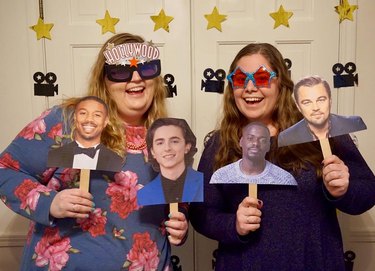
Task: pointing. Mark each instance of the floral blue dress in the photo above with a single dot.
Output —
(117, 235)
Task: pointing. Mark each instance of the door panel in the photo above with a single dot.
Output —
(311, 43)
(80, 38)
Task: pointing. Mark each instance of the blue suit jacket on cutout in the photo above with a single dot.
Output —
(152, 193)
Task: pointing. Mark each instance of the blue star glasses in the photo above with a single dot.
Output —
(261, 77)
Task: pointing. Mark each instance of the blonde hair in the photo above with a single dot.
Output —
(284, 115)
(113, 136)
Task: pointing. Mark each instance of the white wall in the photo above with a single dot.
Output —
(359, 231)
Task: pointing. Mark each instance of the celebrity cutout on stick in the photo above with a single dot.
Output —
(86, 152)
(312, 96)
(253, 168)
(171, 145)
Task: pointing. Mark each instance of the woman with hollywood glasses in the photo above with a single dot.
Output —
(285, 227)
(103, 229)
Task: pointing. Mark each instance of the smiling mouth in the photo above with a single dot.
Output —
(253, 100)
(168, 156)
(88, 127)
(135, 90)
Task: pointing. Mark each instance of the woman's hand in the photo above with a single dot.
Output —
(248, 215)
(335, 176)
(74, 203)
(177, 227)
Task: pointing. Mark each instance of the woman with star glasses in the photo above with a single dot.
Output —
(286, 228)
(105, 228)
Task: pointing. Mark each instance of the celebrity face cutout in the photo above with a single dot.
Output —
(256, 104)
(132, 98)
(255, 143)
(169, 148)
(90, 119)
(315, 105)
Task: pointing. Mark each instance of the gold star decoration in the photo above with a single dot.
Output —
(281, 17)
(161, 21)
(214, 19)
(345, 10)
(108, 23)
(42, 30)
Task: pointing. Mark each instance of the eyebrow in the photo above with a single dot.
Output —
(162, 138)
(318, 98)
(96, 111)
(257, 137)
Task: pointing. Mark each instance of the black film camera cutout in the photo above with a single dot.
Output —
(176, 263)
(344, 80)
(45, 89)
(288, 64)
(168, 81)
(213, 85)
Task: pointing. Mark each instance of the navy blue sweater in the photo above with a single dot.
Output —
(299, 228)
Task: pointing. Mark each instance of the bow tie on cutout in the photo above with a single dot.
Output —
(88, 151)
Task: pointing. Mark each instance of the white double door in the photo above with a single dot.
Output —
(313, 42)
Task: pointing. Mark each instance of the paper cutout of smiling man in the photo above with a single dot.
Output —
(171, 146)
(86, 151)
(313, 99)
(253, 168)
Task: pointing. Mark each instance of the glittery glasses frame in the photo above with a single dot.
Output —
(254, 77)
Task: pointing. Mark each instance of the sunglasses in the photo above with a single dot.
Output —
(260, 78)
(124, 73)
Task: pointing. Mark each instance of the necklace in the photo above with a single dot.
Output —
(134, 147)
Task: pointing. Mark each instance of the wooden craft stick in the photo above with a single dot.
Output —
(173, 207)
(84, 180)
(326, 148)
(253, 190)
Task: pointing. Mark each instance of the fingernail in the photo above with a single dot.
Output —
(93, 205)
(166, 223)
(260, 203)
(169, 215)
(92, 209)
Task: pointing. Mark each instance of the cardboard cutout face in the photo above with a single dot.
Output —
(253, 168)
(90, 118)
(169, 148)
(255, 143)
(171, 143)
(314, 102)
(86, 151)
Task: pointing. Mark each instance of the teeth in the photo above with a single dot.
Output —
(253, 99)
(136, 89)
(88, 127)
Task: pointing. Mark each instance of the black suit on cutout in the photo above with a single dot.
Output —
(300, 133)
(63, 157)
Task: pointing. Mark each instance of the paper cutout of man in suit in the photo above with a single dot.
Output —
(86, 151)
(313, 98)
(253, 168)
(171, 146)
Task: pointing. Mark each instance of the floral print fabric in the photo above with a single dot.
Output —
(117, 235)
